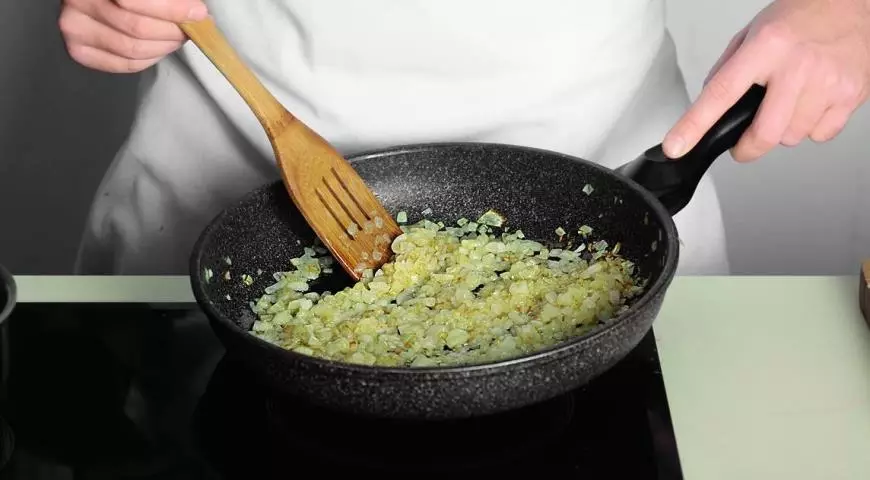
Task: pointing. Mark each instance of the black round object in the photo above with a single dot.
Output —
(537, 190)
(7, 303)
(8, 296)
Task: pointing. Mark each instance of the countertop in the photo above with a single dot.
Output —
(767, 377)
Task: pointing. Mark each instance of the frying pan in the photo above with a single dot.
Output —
(537, 190)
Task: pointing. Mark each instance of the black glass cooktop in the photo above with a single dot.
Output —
(127, 391)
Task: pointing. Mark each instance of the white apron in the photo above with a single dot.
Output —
(588, 78)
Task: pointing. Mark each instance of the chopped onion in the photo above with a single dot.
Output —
(491, 218)
(454, 295)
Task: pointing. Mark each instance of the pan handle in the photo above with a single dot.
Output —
(674, 181)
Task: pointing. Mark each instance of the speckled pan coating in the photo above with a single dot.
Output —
(537, 190)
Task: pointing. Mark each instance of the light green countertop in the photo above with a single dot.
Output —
(767, 377)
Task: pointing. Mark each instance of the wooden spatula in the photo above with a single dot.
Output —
(336, 202)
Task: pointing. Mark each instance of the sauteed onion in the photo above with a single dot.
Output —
(451, 295)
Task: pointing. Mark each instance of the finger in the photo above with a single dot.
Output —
(82, 29)
(832, 123)
(175, 11)
(775, 114)
(808, 112)
(107, 62)
(749, 64)
(133, 24)
(732, 47)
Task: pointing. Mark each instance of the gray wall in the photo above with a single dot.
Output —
(802, 210)
(60, 125)
(798, 211)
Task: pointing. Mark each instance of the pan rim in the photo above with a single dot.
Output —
(483, 369)
(8, 284)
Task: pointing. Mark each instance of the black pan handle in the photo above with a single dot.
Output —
(674, 181)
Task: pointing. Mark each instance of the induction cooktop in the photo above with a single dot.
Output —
(146, 391)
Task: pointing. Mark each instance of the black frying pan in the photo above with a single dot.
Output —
(537, 190)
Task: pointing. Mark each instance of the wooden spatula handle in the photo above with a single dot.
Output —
(271, 114)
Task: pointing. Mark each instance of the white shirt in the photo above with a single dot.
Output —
(593, 79)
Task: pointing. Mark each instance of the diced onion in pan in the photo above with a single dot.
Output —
(450, 296)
